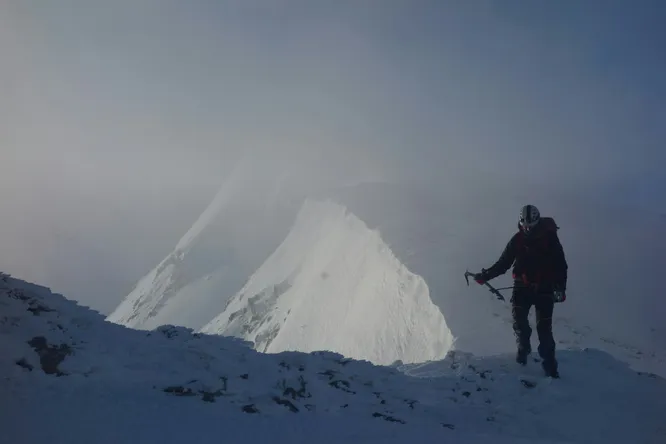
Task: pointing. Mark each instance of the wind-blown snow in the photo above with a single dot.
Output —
(230, 239)
(70, 377)
(333, 284)
(223, 197)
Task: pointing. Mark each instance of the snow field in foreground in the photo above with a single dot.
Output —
(68, 376)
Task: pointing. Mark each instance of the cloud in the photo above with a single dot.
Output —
(139, 110)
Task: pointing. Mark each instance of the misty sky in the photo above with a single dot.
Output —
(119, 120)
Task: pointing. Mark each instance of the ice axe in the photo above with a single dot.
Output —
(492, 289)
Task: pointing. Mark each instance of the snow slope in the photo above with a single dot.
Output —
(69, 376)
(333, 284)
(242, 225)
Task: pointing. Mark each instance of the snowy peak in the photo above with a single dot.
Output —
(242, 225)
(150, 294)
(333, 284)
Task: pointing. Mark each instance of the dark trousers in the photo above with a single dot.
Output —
(521, 301)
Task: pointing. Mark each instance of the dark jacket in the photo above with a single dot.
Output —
(537, 258)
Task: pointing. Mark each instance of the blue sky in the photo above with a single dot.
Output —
(134, 108)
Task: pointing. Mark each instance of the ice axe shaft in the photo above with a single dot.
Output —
(490, 287)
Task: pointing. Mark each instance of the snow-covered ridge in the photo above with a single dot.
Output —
(162, 283)
(228, 241)
(88, 380)
(333, 284)
(150, 295)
